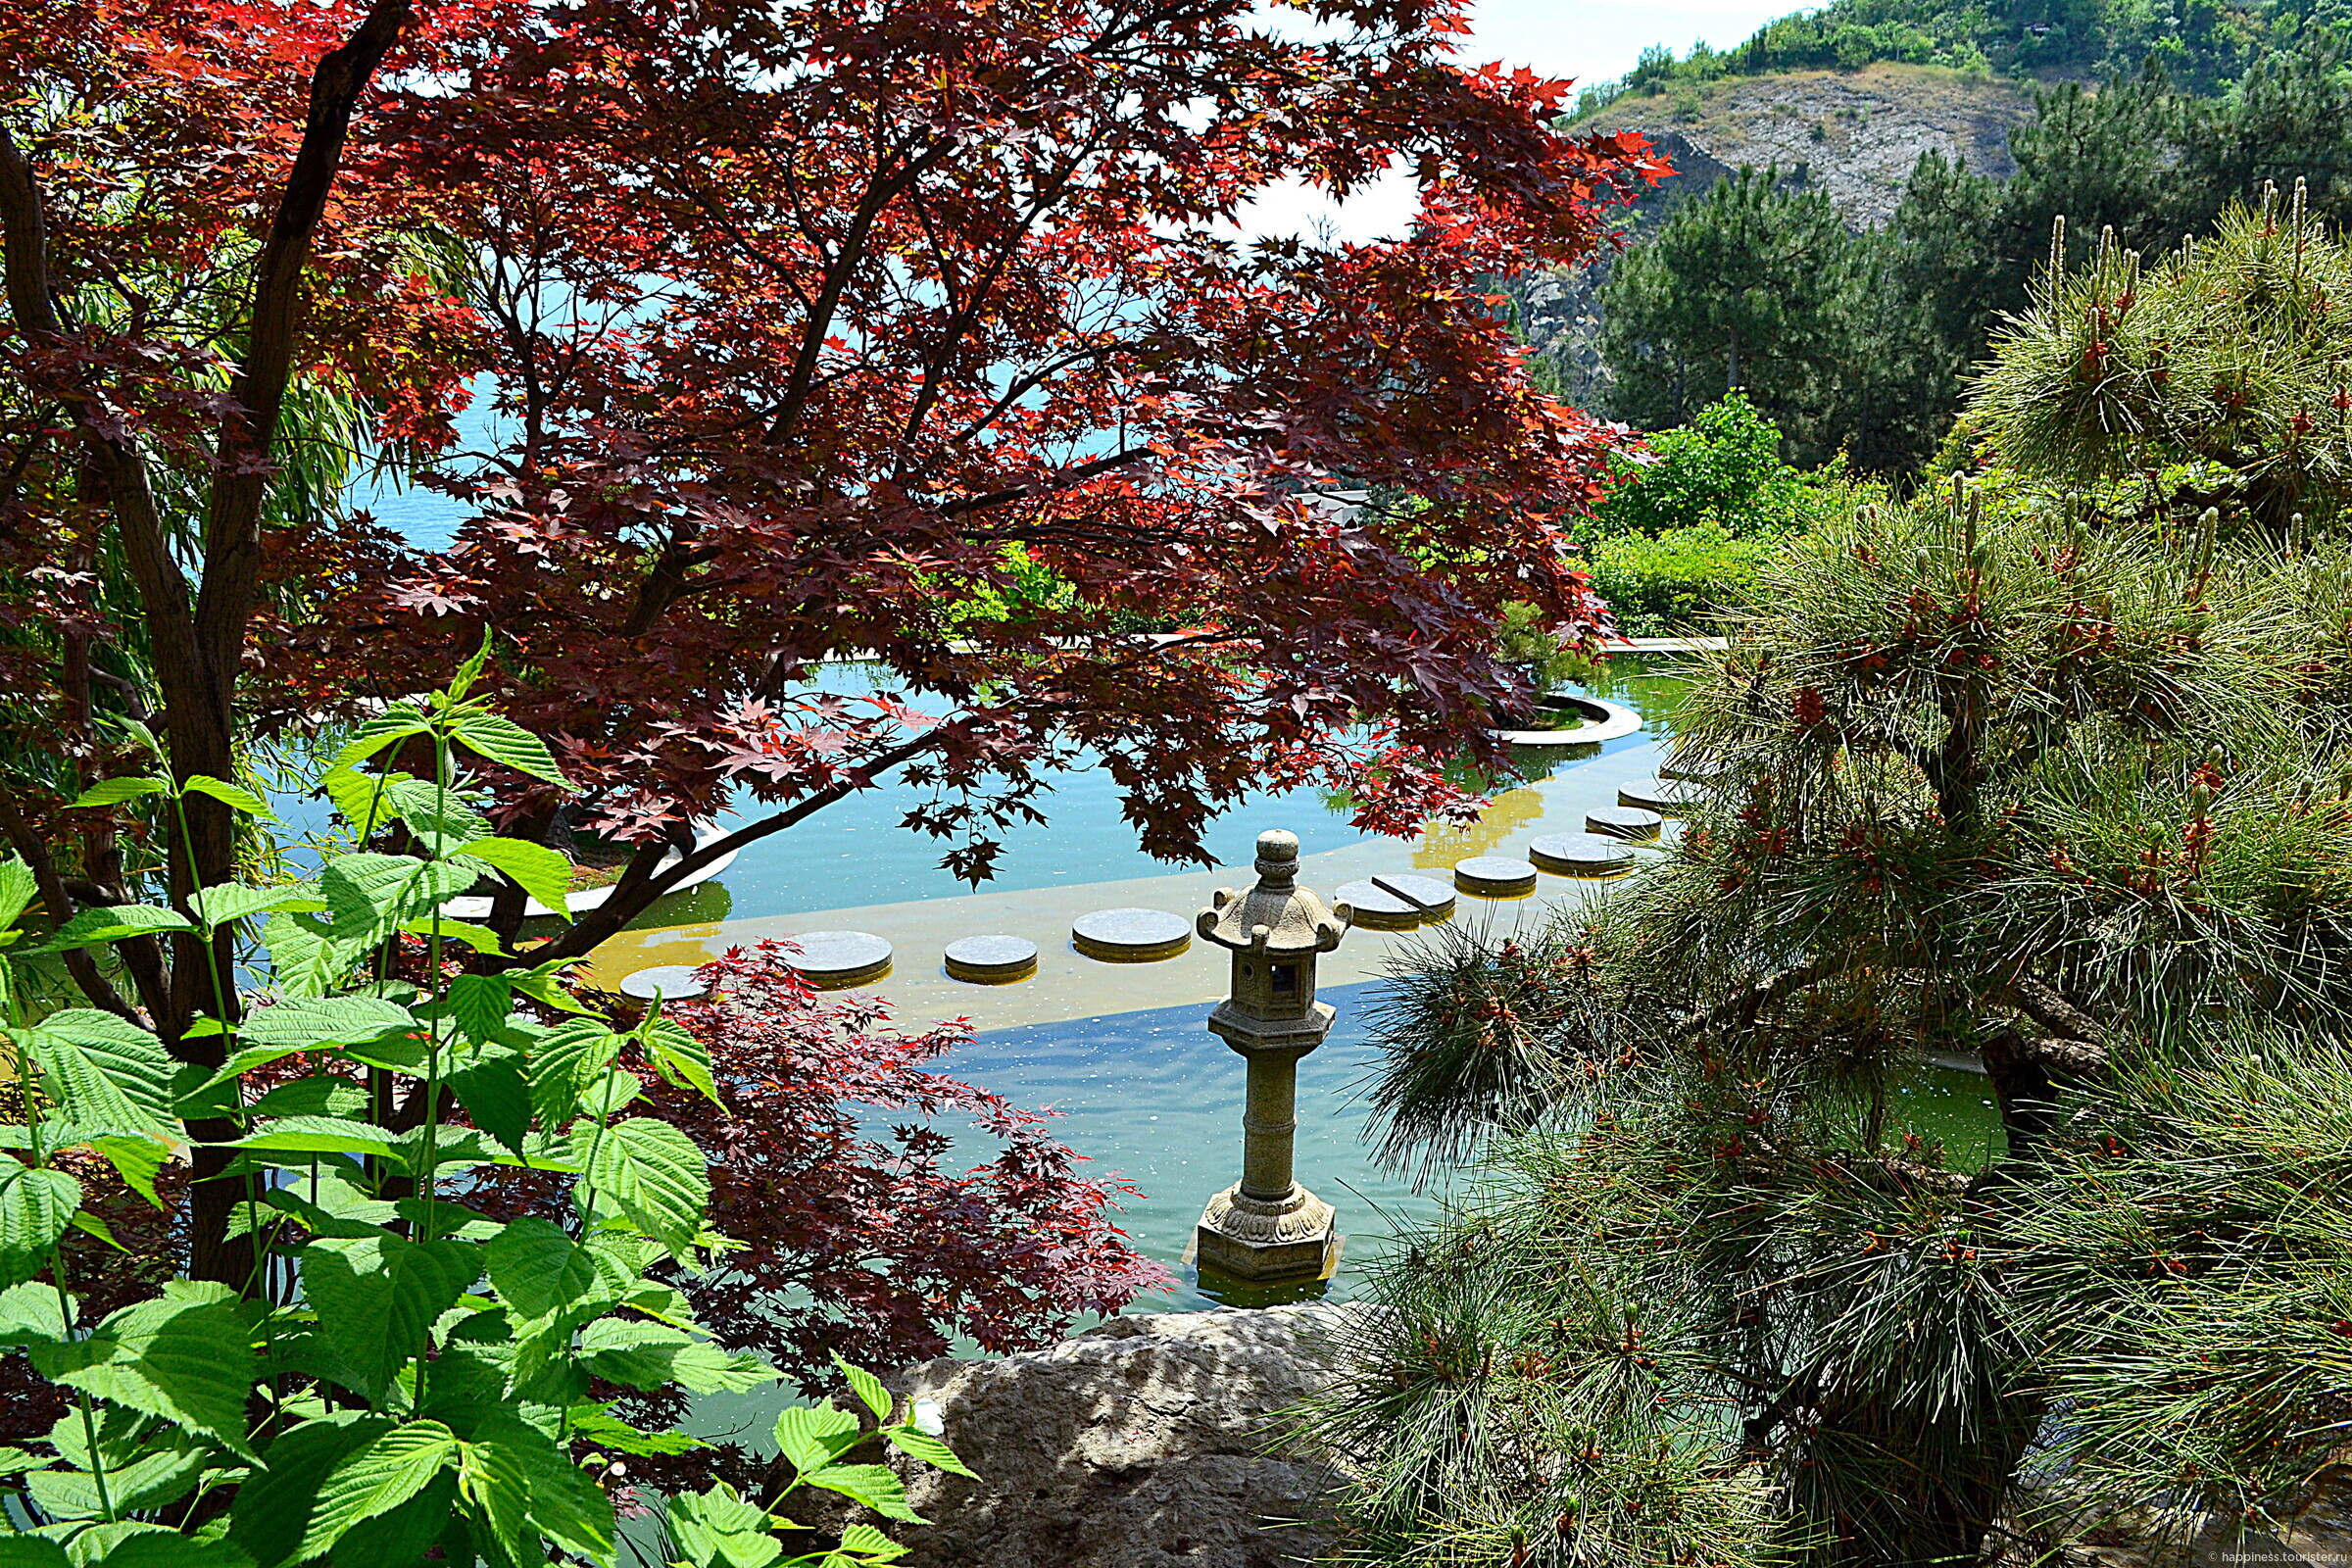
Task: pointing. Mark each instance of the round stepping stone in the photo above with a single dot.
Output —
(832, 960)
(1668, 796)
(1582, 854)
(1624, 823)
(992, 961)
(1131, 936)
(1436, 898)
(1495, 876)
(672, 982)
(1376, 909)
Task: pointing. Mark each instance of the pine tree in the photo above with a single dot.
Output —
(2049, 766)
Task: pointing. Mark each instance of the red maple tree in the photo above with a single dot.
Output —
(812, 330)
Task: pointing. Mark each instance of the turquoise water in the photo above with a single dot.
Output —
(855, 852)
(1153, 1096)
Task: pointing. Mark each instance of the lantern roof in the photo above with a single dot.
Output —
(1277, 915)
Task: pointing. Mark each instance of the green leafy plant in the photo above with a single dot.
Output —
(401, 1374)
(1677, 581)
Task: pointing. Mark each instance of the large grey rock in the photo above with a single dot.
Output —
(1141, 1443)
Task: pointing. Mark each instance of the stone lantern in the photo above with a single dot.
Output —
(1266, 1226)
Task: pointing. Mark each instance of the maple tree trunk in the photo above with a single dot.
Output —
(199, 639)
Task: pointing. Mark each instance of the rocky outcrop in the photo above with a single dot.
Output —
(1855, 135)
(1141, 1443)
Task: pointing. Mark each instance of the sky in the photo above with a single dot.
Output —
(1591, 41)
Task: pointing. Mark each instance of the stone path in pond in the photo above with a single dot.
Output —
(1068, 985)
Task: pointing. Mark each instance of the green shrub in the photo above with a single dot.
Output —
(1674, 582)
(1724, 467)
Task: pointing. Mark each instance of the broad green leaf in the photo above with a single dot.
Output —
(491, 1477)
(396, 724)
(114, 924)
(441, 819)
(480, 938)
(597, 1423)
(307, 958)
(322, 1134)
(30, 1314)
(224, 901)
(108, 1075)
(32, 1551)
(18, 1461)
(376, 1479)
(202, 1092)
(544, 984)
(495, 1094)
(16, 889)
(544, 874)
(273, 1510)
(320, 1095)
(928, 1448)
(868, 1386)
(507, 744)
(148, 1481)
(235, 797)
(568, 1509)
(647, 1356)
(138, 1160)
(377, 1297)
(408, 1053)
(869, 1544)
(480, 1003)
(575, 1054)
(538, 1269)
(611, 1094)
(718, 1529)
(312, 1023)
(813, 1436)
(369, 897)
(400, 1537)
(362, 798)
(153, 1547)
(877, 1486)
(36, 1205)
(653, 1172)
(467, 673)
(92, 1225)
(185, 1356)
(681, 1057)
(111, 791)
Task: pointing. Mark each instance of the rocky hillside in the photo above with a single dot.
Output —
(1853, 134)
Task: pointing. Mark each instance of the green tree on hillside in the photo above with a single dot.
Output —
(1752, 288)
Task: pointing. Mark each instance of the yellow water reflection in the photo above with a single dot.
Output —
(1441, 847)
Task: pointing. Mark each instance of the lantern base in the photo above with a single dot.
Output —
(1255, 1239)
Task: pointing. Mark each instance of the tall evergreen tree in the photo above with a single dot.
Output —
(1754, 288)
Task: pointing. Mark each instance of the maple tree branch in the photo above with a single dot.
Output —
(837, 281)
(1059, 480)
(638, 887)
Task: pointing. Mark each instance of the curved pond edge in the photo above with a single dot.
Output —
(1605, 721)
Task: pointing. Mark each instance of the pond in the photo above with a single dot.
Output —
(859, 842)
(1154, 1097)
(1121, 1052)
